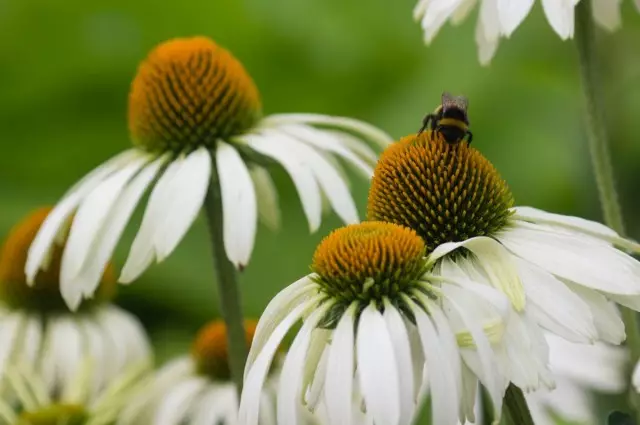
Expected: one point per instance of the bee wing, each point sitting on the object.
(450, 101)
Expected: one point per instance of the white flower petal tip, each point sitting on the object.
(512, 13)
(636, 377)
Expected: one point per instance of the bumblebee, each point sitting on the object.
(450, 119)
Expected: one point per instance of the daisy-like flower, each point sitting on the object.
(72, 404)
(500, 18)
(37, 328)
(560, 273)
(195, 120)
(197, 388)
(580, 371)
(377, 328)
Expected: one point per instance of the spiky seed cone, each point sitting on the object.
(445, 192)
(190, 92)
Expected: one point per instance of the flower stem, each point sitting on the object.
(600, 158)
(227, 281)
(516, 406)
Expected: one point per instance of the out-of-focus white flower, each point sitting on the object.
(562, 274)
(195, 115)
(378, 329)
(500, 18)
(74, 403)
(580, 370)
(37, 328)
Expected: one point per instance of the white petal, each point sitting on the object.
(239, 205)
(583, 261)
(575, 224)
(90, 217)
(347, 125)
(487, 31)
(636, 377)
(496, 263)
(555, 306)
(215, 406)
(339, 378)
(173, 408)
(130, 333)
(184, 200)
(606, 316)
(436, 15)
(257, 372)
(31, 339)
(607, 13)
(490, 376)
(419, 9)
(332, 184)
(462, 12)
(402, 350)
(302, 177)
(275, 312)
(469, 391)
(377, 370)
(512, 13)
(444, 396)
(290, 386)
(9, 328)
(142, 251)
(267, 196)
(355, 145)
(324, 141)
(67, 351)
(100, 354)
(560, 16)
(40, 249)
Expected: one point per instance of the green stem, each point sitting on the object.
(600, 157)
(227, 282)
(515, 405)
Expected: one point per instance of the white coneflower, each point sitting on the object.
(500, 18)
(580, 371)
(74, 403)
(560, 273)
(36, 326)
(195, 113)
(197, 388)
(375, 326)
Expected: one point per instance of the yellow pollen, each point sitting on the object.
(445, 192)
(368, 261)
(210, 350)
(190, 92)
(68, 414)
(45, 293)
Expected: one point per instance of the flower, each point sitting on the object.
(73, 403)
(196, 388)
(195, 115)
(373, 320)
(560, 273)
(500, 18)
(579, 370)
(36, 326)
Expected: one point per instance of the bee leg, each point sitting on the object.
(425, 122)
(469, 137)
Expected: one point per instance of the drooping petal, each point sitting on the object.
(444, 397)
(607, 13)
(175, 405)
(437, 13)
(347, 125)
(275, 312)
(324, 141)
(636, 377)
(402, 350)
(560, 14)
(462, 12)
(239, 205)
(555, 306)
(575, 224)
(512, 13)
(302, 177)
(290, 383)
(487, 31)
(377, 370)
(52, 226)
(583, 261)
(495, 261)
(340, 368)
(267, 197)
(257, 372)
(184, 200)
(8, 333)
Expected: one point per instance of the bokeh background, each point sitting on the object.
(66, 66)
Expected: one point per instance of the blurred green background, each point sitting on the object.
(65, 70)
